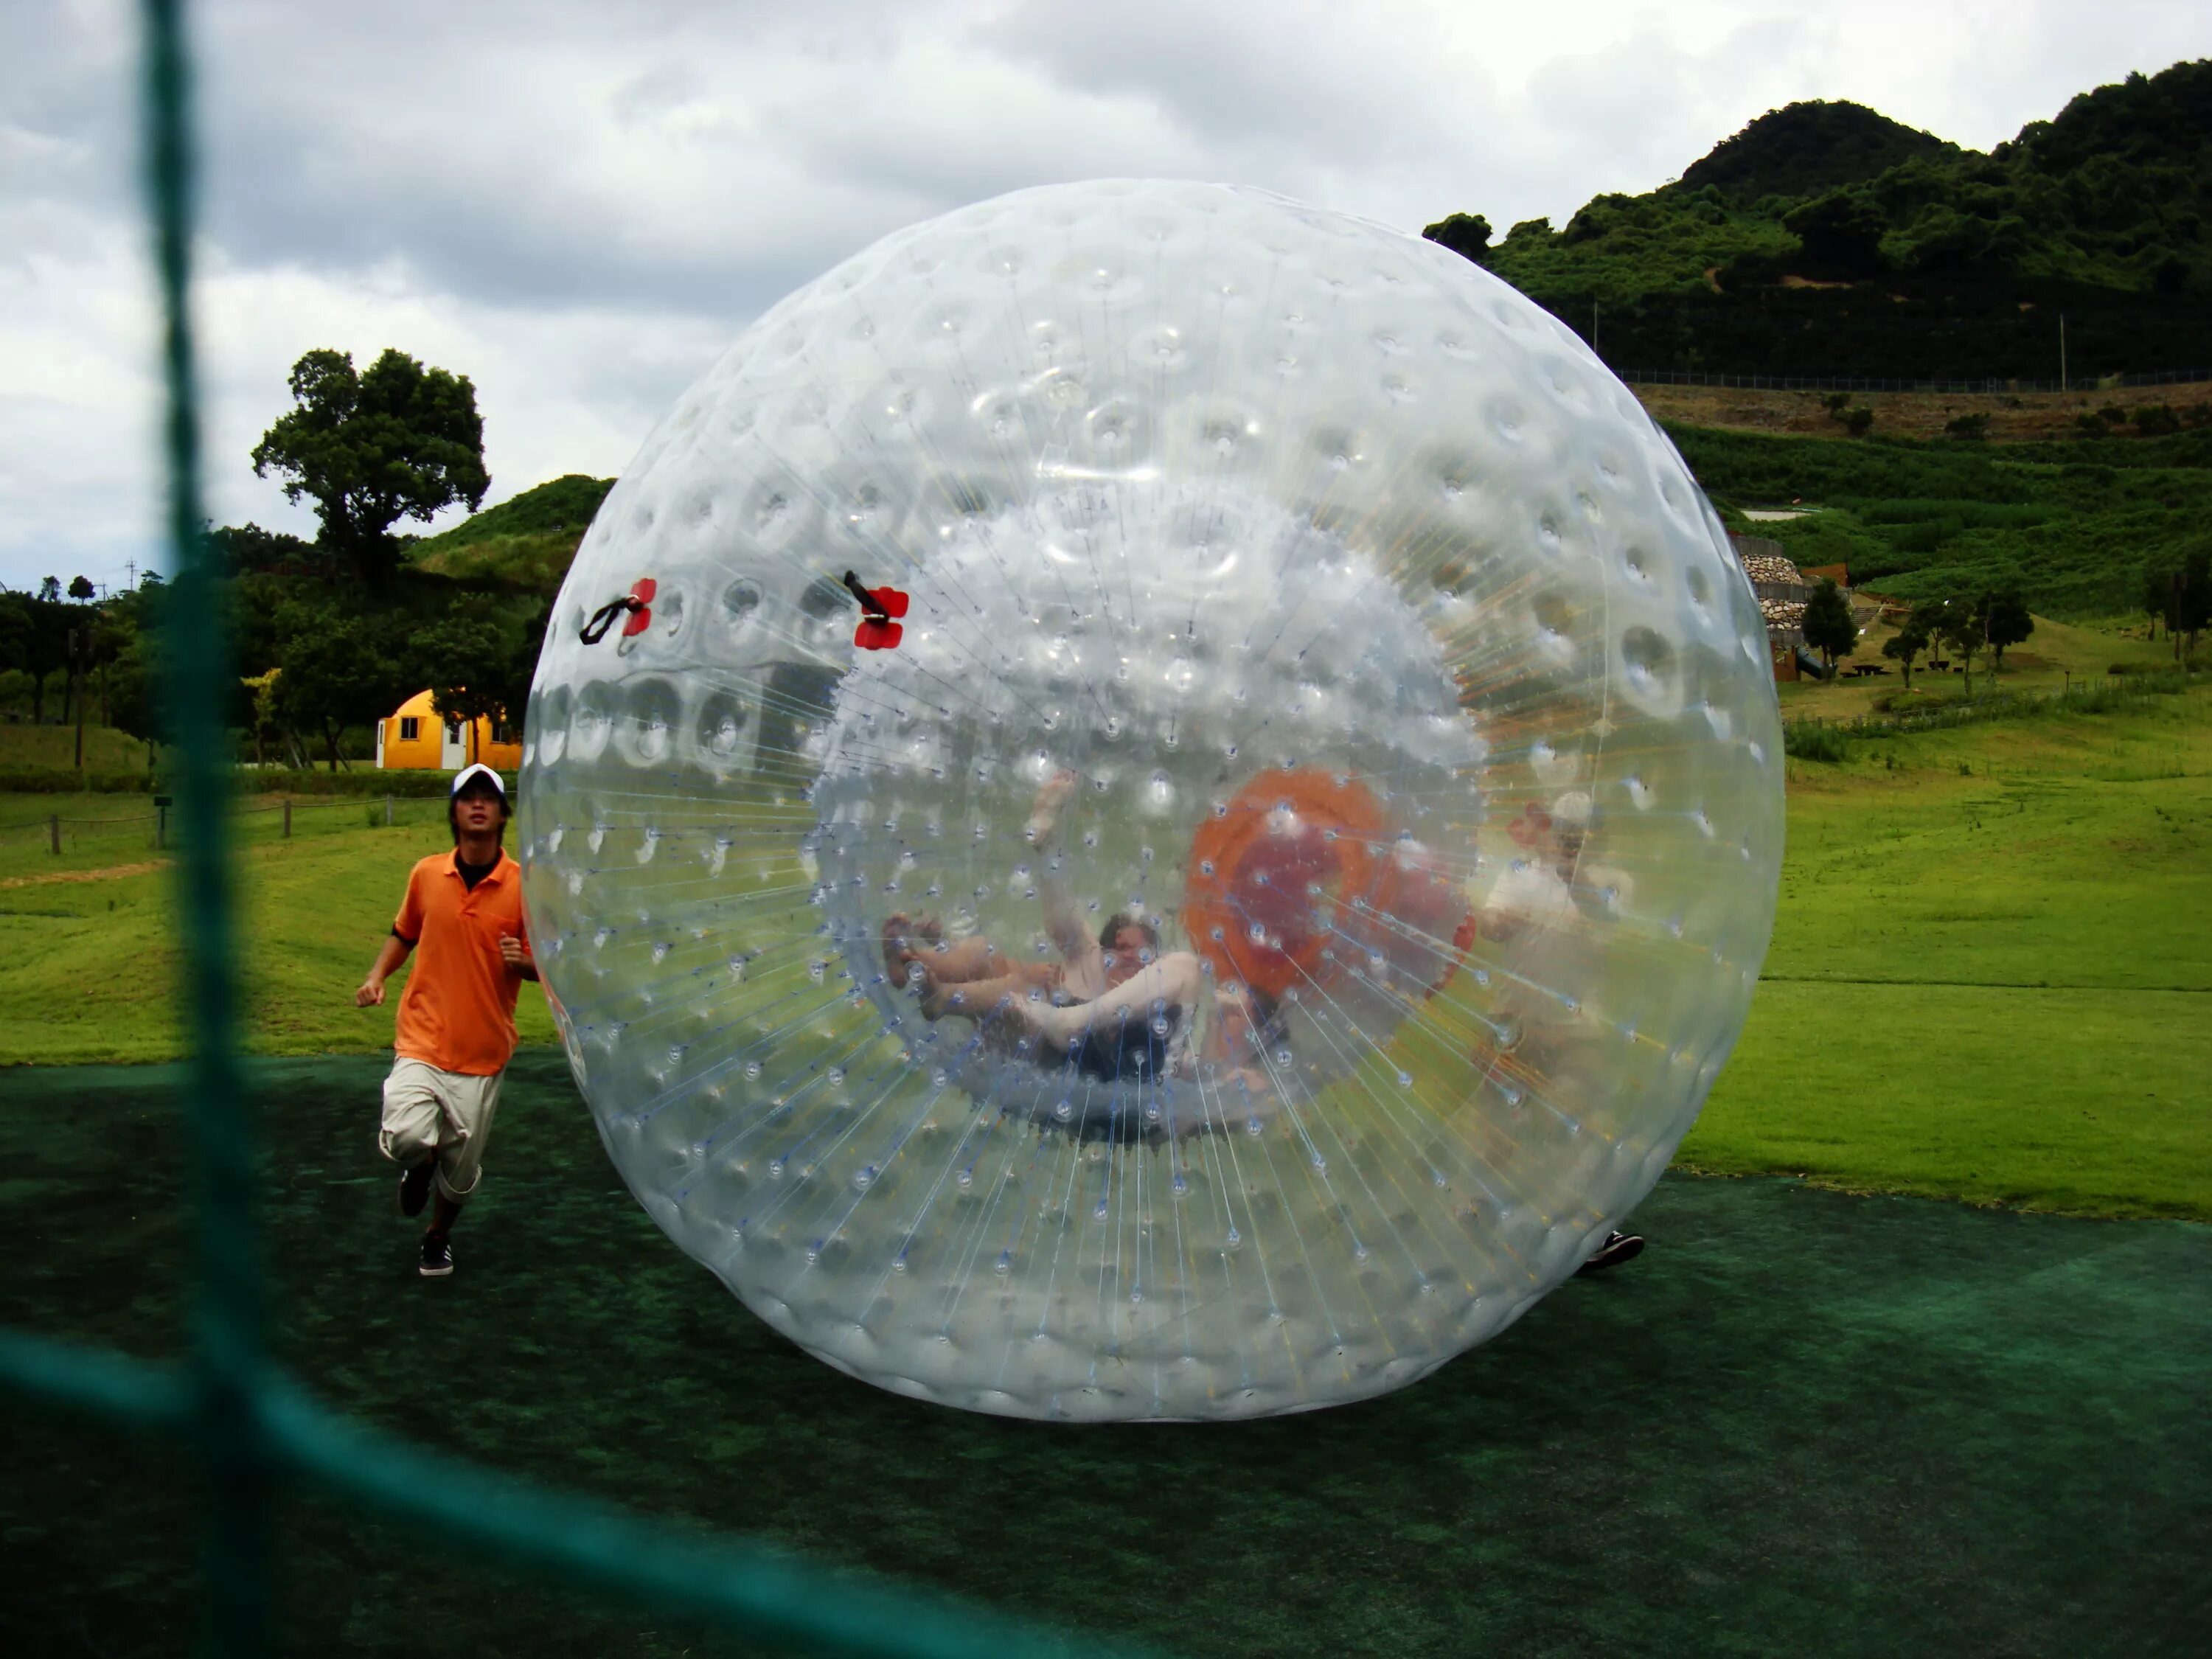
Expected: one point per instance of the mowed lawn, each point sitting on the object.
(88, 948)
(1991, 976)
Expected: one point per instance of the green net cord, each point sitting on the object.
(227, 1326)
(252, 1424)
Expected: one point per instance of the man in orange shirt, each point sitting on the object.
(462, 912)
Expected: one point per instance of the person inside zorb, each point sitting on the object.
(1114, 1009)
(1149, 802)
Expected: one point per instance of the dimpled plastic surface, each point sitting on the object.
(1306, 546)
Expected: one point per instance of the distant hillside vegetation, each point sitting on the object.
(1827, 240)
(1808, 149)
(2069, 526)
(527, 540)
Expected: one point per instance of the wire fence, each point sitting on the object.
(248, 1423)
(1986, 387)
(60, 833)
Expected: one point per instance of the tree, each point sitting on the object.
(81, 588)
(1907, 643)
(2180, 596)
(37, 638)
(337, 670)
(265, 723)
(463, 659)
(1841, 231)
(521, 666)
(2005, 621)
(131, 704)
(244, 547)
(1960, 626)
(1828, 626)
(1466, 234)
(401, 439)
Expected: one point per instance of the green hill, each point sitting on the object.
(2071, 526)
(527, 540)
(1826, 240)
(1808, 149)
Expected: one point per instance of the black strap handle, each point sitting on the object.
(869, 602)
(605, 617)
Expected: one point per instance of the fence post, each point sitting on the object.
(288, 818)
(54, 832)
(387, 811)
(161, 823)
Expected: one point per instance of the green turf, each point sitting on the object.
(1995, 986)
(1993, 983)
(1801, 1422)
(87, 964)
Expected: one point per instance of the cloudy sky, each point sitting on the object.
(578, 203)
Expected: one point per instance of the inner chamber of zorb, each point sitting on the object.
(1442, 723)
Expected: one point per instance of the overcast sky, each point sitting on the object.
(578, 203)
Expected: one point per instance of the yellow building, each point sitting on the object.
(416, 738)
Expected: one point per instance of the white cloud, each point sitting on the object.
(578, 205)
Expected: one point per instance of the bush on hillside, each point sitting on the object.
(1814, 740)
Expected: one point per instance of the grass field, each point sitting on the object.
(1991, 975)
(1804, 1421)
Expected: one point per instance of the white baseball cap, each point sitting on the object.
(469, 774)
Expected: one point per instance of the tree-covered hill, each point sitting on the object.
(527, 540)
(1808, 149)
(1825, 240)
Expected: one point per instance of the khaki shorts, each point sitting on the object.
(445, 1115)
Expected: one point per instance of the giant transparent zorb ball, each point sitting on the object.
(1407, 684)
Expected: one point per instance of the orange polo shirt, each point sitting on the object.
(457, 1010)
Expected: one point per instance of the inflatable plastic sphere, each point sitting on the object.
(1266, 880)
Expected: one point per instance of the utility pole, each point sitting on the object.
(130, 572)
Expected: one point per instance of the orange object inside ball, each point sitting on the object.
(1271, 874)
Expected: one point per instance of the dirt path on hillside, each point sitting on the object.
(112, 872)
(2021, 417)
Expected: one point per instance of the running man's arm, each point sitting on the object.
(394, 951)
(406, 928)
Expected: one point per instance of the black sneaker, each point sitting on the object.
(415, 1186)
(1617, 1248)
(437, 1256)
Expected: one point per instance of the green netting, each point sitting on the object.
(250, 1425)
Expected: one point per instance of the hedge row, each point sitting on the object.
(259, 780)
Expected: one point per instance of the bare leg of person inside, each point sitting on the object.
(1171, 983)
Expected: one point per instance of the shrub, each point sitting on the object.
(2088, 426)
(1967, 428)
(1814, 740)
(1857, 422)
(2156, 421)
(2113, 415)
